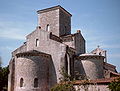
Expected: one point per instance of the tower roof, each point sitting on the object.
(53, 8)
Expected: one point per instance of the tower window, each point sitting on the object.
(65, 29)
(48, 27)
(21, 82)
(37, 42)
(35, 82)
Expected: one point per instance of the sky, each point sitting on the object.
(98, 20)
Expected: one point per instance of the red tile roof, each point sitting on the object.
(97, 81)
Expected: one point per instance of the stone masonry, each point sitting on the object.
(36, 65)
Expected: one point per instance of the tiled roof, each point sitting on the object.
(97, 81)
(32, 53)
(53, 8)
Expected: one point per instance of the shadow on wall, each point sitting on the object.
(79, 70)
(52, 73)
(44, 70)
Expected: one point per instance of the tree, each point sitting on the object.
(65, 82)
(115, 85)
(0, 63)
(4, 71)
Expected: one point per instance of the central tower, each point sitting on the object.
(56, 20)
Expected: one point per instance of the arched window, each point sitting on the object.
(35, 82)
(37, 42)
(65, 29)
(21, 82)
(66, 64)
(48, 27)
(100, 53)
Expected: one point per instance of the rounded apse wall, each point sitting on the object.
(92, 66)
(31, 73)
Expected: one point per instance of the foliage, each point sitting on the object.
(78, 76)
(65, 76)
(115, 85)
(63, 87)
(65, 84)
(3, 78)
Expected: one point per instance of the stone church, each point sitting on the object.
(36, 65)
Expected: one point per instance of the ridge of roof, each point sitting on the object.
(53, 8)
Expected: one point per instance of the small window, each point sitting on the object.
(21, 82)
(35, 82)
(100, 53)
(48, 27)
(37, 42)
(65, 29)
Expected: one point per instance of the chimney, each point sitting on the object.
(78, 31)
(38, 27)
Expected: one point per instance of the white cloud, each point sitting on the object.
(112, 46)
(12, 30)
(114, 55)
(3, 48)
(12, 34)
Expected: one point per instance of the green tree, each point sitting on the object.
(0, 75)
(4, 71)
(65, 82)
(115, 85)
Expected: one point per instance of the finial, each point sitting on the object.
(98, 46)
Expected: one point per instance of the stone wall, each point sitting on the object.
(92, 67)
(51, 18)
(57, 18)
(69, 40)
(64, 23)
(28, 68)
(56, 49)
(80, 43)
(11, 75)
(75, 41)
(22, 48)
(92, 87)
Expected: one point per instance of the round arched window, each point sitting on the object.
(21, 82)
(35, 82)
(48, 27)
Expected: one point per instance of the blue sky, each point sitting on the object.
(98, 20)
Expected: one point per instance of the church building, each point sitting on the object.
(36, 65)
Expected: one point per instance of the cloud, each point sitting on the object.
(114, 55)
(12, 30)
(12, 34)
(112, 46)
(7, 48)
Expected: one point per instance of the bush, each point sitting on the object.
(4, 78)
(115, 85)
(63, 87)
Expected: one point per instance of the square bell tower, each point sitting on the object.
(56, 20)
